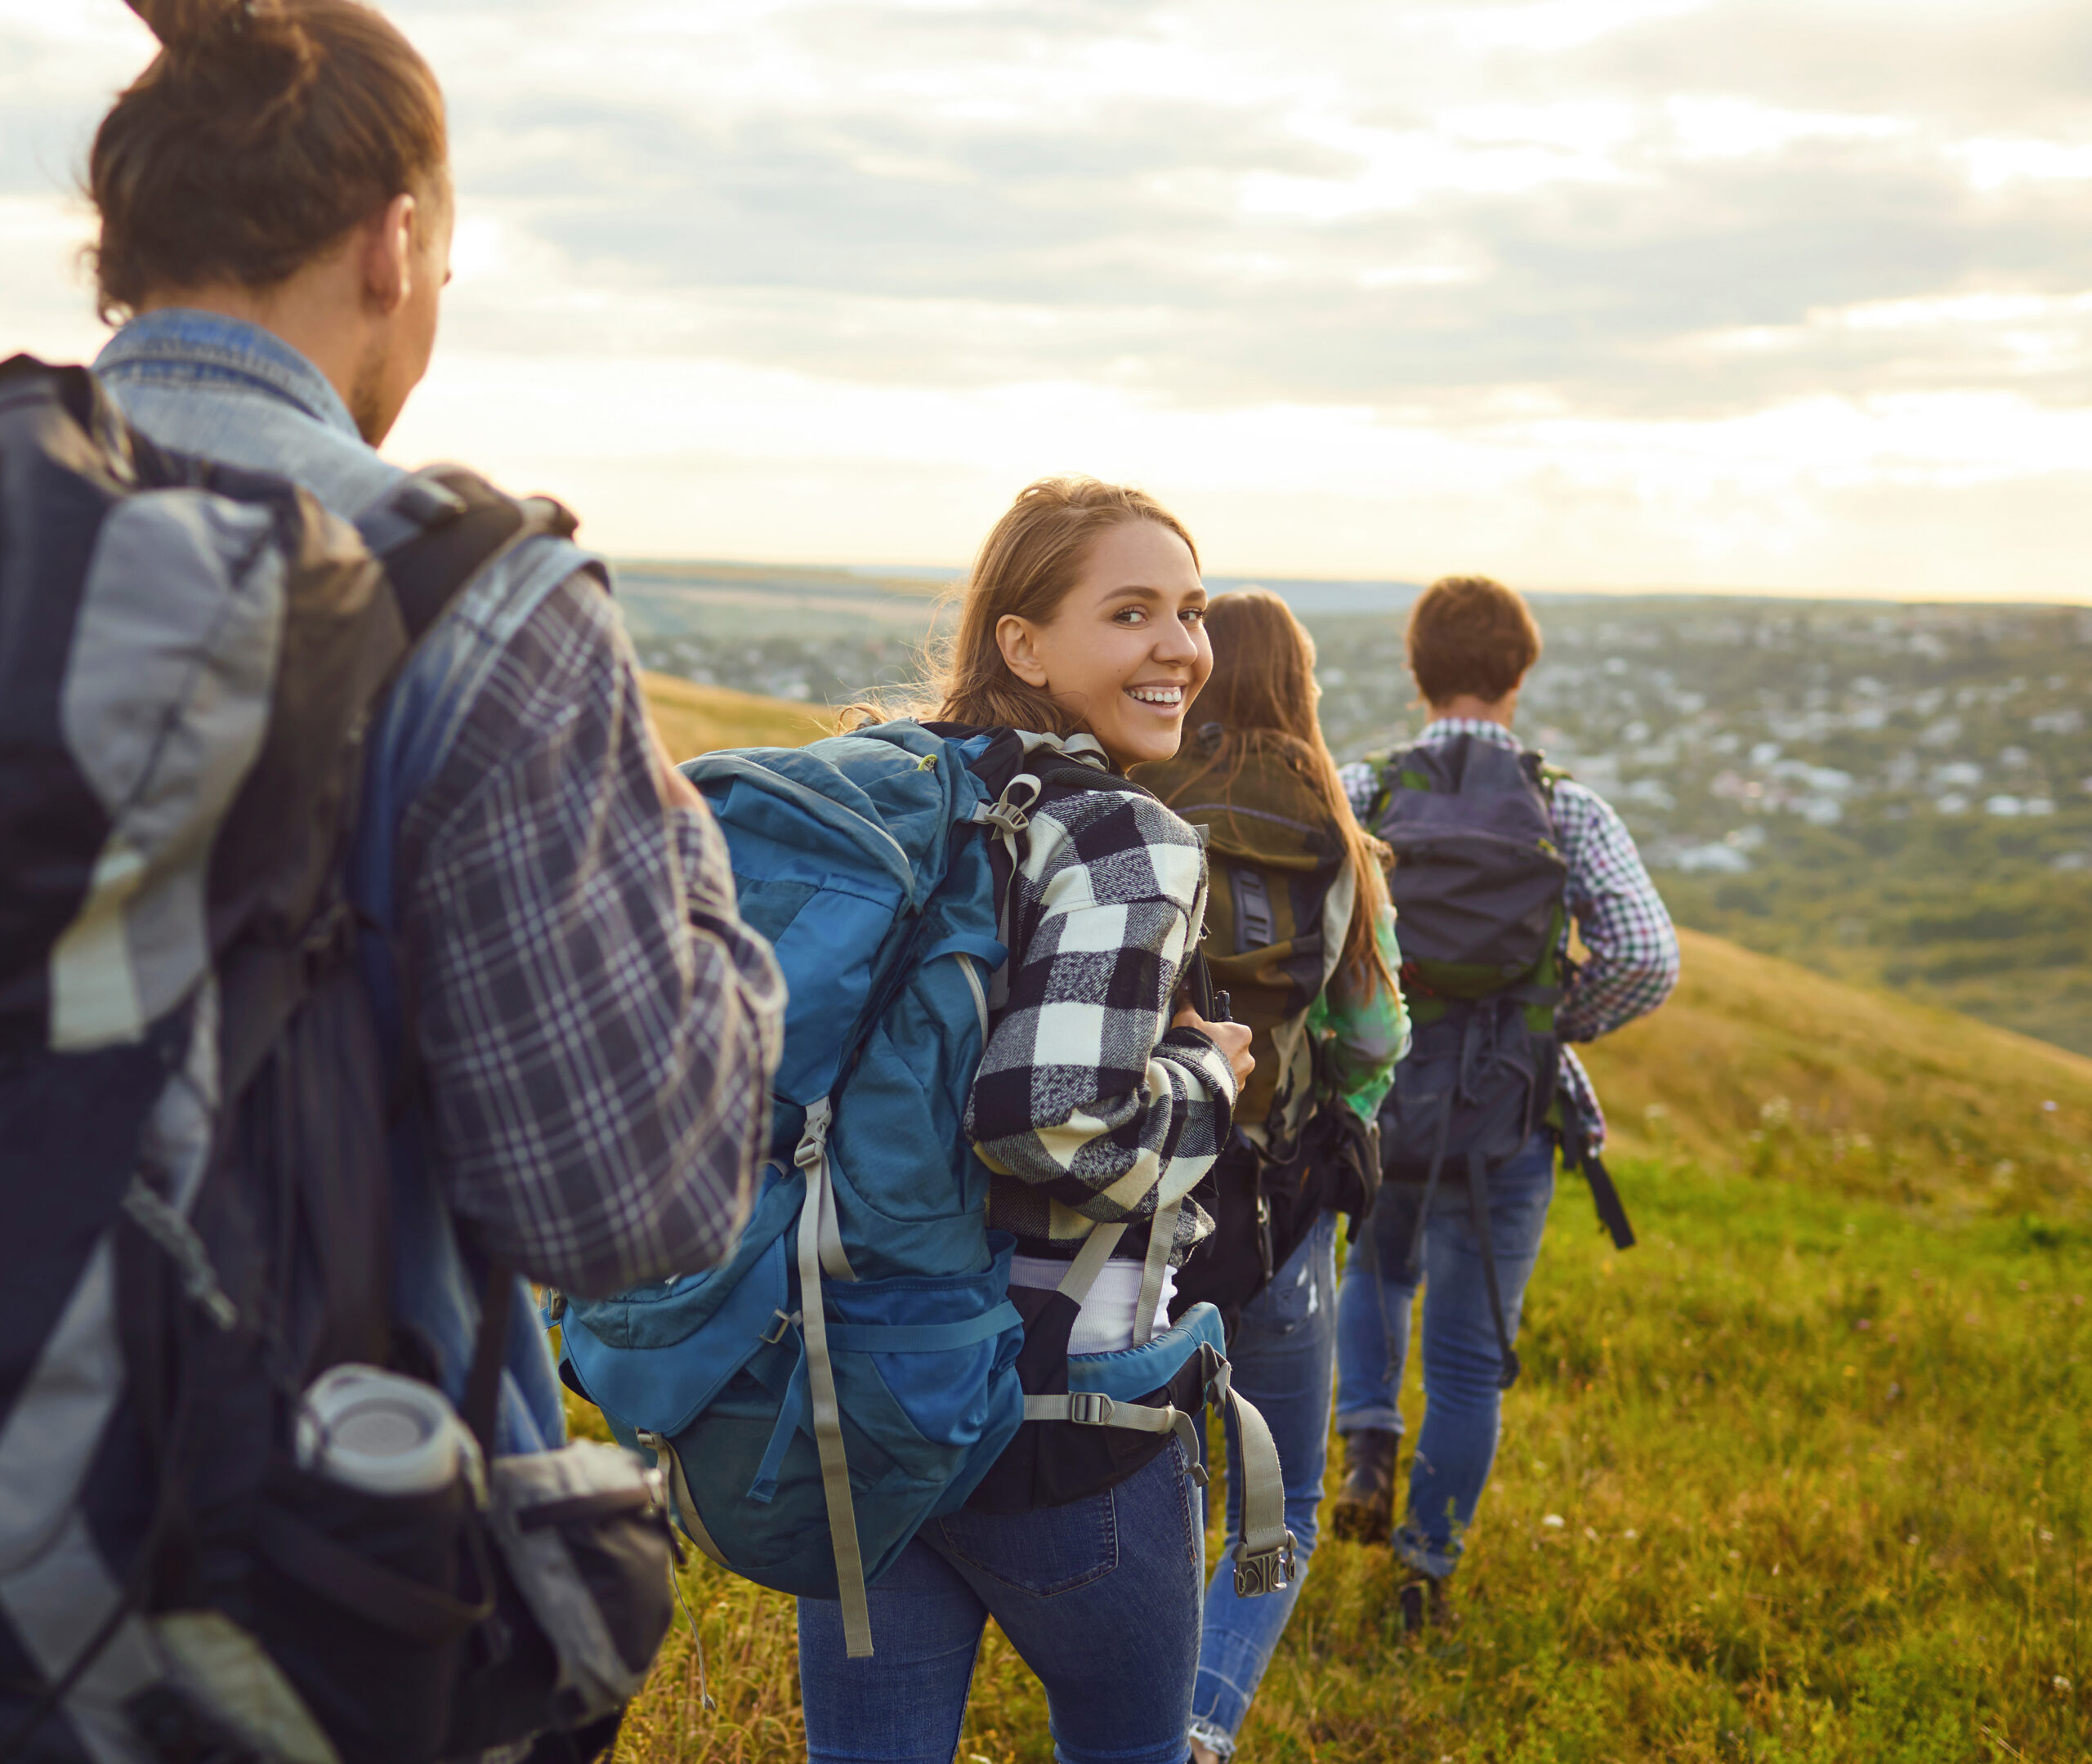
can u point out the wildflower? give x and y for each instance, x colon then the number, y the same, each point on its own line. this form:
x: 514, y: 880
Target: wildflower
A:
x: 1553, y: 1521
x: 1865, y: 1323
x: 1590, y: 1534
x: 1630, y: 1534
x: 2061, y: 1683
x: 2048, y: 1537
x: 1735, y: 1555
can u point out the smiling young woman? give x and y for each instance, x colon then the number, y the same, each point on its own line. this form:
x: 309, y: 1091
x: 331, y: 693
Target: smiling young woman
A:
x: 1125, y: 651
x: 1099, y: 1101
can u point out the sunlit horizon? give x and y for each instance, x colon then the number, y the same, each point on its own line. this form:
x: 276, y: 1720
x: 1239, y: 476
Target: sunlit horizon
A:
x: 1597, y: 296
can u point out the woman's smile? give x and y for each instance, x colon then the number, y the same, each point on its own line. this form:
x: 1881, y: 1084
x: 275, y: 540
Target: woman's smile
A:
x: 1126, y: 650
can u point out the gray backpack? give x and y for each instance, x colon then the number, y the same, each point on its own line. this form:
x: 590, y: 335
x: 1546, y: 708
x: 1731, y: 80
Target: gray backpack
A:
x: 196, y: 1188
x: 1478, y: 886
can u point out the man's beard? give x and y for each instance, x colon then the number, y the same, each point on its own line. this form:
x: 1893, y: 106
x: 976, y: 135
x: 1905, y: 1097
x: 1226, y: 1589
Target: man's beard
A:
x: 370, y: 404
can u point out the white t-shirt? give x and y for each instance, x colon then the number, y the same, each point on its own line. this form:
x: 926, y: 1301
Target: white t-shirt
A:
x: 1105, y: 1323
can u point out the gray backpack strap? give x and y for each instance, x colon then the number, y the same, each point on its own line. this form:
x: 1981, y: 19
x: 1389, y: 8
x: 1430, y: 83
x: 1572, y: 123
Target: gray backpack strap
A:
x: 1264, y: 1557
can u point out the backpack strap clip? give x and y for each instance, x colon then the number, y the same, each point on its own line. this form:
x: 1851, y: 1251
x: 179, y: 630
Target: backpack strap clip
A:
x: 1090, y: 1409
x: 1010, y: 814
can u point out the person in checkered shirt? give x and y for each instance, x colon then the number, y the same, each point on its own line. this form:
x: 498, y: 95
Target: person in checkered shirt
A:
x: 1100, y: 1100
x: 1471, y: 642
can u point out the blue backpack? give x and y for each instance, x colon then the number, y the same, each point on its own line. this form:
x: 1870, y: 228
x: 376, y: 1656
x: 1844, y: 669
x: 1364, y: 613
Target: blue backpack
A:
x: 852, y: 1370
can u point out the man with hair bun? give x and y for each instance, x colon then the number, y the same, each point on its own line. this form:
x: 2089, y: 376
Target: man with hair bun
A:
x: 597, y: 1027
x: 1491, y: 846
x: 576, y: 1030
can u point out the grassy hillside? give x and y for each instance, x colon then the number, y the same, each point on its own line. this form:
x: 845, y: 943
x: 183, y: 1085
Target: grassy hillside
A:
x: 1757, y: 1065
x: 694, y: 719
x: 1801, y: 1477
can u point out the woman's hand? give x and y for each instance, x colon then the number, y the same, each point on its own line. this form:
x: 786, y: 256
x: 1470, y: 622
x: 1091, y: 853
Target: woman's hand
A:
x: 1231, y: 1039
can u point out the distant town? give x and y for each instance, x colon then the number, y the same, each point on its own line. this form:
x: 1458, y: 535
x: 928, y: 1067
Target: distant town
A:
x: 1898, y: 794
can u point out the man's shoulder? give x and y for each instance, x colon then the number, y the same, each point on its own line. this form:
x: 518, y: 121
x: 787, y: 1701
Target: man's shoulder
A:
x: 225, y: 423
x: 1576, y: 802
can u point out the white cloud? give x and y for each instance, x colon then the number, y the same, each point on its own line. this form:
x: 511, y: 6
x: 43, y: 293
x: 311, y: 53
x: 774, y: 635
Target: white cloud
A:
x: 1694, y: 293
x: 1993, y: 162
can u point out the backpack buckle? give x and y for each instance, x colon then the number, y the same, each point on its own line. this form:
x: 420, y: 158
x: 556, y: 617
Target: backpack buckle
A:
x: 813, y: 1141
x: 1269, y: 1570
x: 1008, y: 815
x: 776, y: 1334
x: 1089, y: 1408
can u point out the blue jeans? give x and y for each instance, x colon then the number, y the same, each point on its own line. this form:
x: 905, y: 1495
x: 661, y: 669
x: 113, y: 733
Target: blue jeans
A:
x: 1100, y: 1597
x: 1280, y: 1357
x: 1462, y: 1399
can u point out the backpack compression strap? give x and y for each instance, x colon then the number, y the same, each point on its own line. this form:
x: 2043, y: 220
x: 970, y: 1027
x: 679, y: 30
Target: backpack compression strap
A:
x: 1264, y: 1557
x: 1578, y: 1155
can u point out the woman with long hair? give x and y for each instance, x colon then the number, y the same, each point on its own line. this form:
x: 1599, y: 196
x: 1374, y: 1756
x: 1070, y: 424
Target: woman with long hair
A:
x: 1302, y: 932
x: 1099, y: 1101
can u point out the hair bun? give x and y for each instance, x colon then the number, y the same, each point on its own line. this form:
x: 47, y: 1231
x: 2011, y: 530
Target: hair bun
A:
x: 242, y: 68
x: 181, y: 24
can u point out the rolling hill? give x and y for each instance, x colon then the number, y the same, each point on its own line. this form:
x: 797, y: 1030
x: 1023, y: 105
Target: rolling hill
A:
x: 1755, y: 1064
x: 694, y: 719
x: 1799, y: 1480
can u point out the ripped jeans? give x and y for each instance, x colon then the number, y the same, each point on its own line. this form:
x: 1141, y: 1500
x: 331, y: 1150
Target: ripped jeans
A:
x: 1462, y: 1399
x: 1281, y: 1358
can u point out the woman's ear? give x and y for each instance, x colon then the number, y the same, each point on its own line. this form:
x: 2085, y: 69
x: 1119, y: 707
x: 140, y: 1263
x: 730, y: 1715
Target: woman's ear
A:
x: 1015, y: 637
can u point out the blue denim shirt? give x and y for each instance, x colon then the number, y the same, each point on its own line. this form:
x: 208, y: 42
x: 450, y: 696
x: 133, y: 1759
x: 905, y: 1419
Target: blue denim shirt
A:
x: 217, y: 387
x: 201, y: 383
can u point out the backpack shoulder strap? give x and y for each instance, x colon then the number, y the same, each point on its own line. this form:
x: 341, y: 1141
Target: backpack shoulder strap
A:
x: 440, y: 529
x: 1058, y: 771
x: 1537, y: 768
x: 1394, y: 770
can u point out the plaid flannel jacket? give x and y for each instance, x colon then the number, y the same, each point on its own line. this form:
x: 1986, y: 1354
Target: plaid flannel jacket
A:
x: 1088, y: 1107
x: 598, y: 1027
x: 1626, y: 928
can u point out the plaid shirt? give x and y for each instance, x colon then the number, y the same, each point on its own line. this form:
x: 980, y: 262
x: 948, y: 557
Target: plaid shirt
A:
x: 598, y: 1028
x: 1088, y: 1107
x: 1633, y: 962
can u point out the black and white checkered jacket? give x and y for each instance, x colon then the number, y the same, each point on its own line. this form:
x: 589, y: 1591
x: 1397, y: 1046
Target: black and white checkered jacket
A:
x: 1088, y: 1108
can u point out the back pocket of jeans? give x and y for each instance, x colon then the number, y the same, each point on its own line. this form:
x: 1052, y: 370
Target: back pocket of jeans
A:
x: 1048, y: 1550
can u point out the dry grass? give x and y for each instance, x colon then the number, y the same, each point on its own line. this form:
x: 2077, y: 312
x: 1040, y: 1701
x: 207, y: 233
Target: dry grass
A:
x: 694, y: 719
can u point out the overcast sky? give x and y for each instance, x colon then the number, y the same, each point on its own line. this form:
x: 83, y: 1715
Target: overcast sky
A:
x: 1707, y: 293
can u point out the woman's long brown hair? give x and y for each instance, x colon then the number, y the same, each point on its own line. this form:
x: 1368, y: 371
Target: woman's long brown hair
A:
x: 1263, y: 693
x: 1026, y: 565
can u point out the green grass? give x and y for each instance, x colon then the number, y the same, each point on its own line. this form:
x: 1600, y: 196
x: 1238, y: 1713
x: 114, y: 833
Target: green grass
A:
x: 1818, y: 1446
x: 1820, y: 1468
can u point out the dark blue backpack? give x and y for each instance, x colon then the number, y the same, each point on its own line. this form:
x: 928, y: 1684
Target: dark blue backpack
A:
x: 854, y: 1369
x: 1479, y: 884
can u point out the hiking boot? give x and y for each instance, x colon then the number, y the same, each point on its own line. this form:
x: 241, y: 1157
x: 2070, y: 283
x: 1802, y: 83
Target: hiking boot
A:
x: 1424, y: 1603
x: 1365, y: 1508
